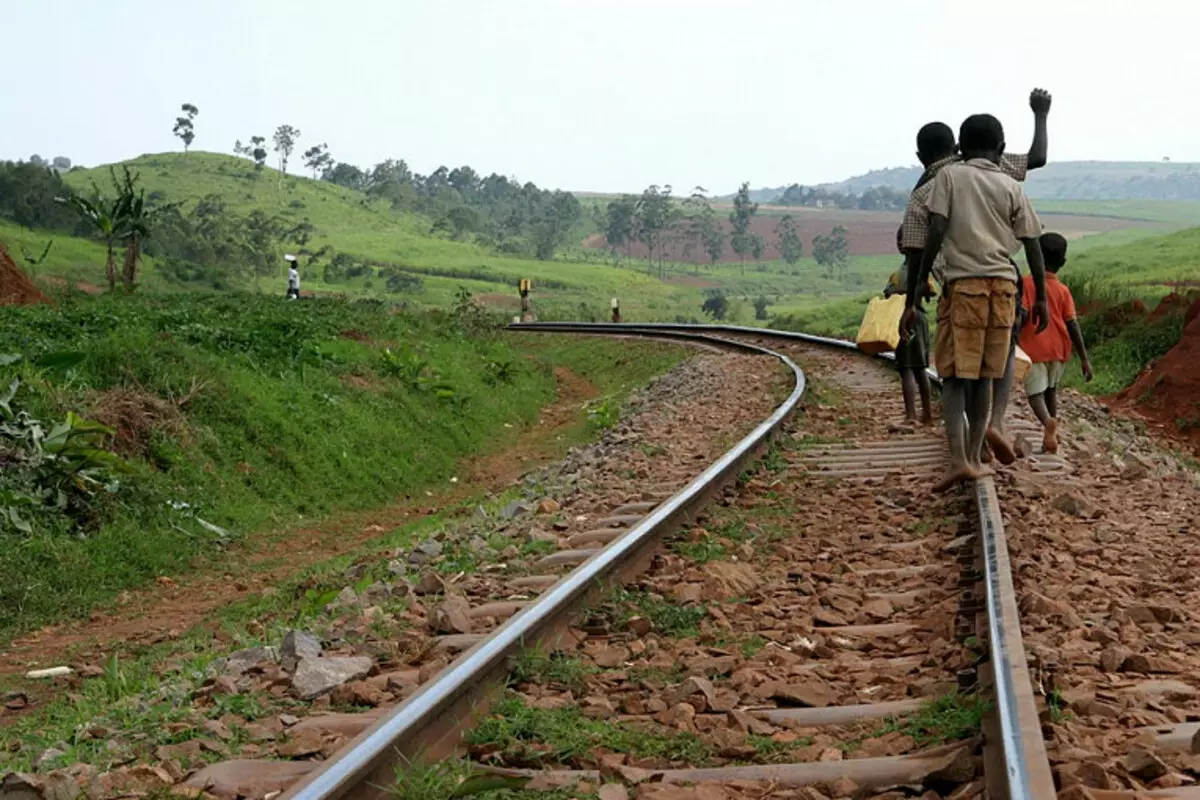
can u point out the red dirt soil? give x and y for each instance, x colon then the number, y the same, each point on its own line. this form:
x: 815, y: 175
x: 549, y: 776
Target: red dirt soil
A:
x: 1168, y: 393
x: 165, y: 609
x: 15, y: 288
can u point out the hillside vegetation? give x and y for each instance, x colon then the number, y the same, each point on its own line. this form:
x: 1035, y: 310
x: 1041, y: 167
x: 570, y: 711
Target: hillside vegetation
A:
x: 175, y: 425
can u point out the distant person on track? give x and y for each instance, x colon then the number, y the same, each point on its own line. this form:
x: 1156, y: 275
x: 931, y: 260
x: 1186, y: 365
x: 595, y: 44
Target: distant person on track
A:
x: 936, y: 149
x: 912, y: 354
x: 977, y: 214
x: 293, y: 287
x: 1050, y: 350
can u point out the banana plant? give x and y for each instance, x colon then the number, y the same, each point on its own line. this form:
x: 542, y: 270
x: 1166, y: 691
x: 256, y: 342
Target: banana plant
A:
x: 105, y: 218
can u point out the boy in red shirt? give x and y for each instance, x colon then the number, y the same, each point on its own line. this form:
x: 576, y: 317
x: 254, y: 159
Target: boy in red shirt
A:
x: 1051, y: 349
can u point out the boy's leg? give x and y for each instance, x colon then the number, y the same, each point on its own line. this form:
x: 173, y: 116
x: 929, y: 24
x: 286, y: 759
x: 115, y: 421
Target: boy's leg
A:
x: 922, y: 379
x: 997, y: 438
x: 979, y: 409
x: 908, y: 384
x: 1052, y: 401
x: 954, y: 406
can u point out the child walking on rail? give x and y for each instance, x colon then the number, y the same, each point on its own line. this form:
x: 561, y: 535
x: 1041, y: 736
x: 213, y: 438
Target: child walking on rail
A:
x: 912, y: 354
x: 1050, y: 349
x: 978, y: 215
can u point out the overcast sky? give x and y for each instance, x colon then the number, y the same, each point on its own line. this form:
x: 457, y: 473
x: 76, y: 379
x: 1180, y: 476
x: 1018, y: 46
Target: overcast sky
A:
x: 604, y: 95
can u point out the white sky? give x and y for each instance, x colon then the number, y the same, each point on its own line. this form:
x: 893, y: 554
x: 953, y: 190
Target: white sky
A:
x: 604, y: 95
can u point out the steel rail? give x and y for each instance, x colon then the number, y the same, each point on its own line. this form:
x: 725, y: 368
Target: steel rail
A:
x: 428, y: 722
x: 1026, y: 764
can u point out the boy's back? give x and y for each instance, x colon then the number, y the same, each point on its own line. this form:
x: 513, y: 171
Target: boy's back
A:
x: 988, y: 213
x: 1054, y: 343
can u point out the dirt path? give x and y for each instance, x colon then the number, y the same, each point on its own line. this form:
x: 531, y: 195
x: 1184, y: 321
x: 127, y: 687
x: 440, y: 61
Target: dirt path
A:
x: 167, y: 608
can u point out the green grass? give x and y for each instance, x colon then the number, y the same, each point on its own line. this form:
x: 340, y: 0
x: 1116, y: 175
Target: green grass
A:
x: 946, y: 719
x: 537, y: 666
x: 566, y: 736
x: 668, y: 618
x: 287, y: 419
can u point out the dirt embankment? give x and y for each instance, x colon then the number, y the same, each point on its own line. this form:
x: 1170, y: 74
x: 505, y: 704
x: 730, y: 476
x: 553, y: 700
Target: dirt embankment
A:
x: 15, y: 287
x: 1168, y: 391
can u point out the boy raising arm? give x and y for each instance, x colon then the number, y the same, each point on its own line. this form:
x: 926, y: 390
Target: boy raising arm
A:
x: 977, y: 216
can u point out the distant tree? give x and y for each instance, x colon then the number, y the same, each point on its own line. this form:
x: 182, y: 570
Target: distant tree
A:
x: 715, y: 304
x: 712, y: 236
x: 103, y: 216
x: 760, y: 307
x: 184, y: 127
x: 654, y: 215
x: 743, y: 212
x: 620, y: 220
x: 554, y: 223
x: 347, y: 175
x: 258, y: 152
x: 832, y: 251
x: 791, y: 247
x: 62, y: 163
x: 38, y: 160
x: 285, y: 143
x: 317, y: 159
x: 757, y: 246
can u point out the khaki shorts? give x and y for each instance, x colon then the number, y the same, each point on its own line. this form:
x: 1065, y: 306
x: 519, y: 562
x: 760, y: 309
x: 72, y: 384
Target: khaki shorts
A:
x: 1046, y: 375
x: 975, y: 322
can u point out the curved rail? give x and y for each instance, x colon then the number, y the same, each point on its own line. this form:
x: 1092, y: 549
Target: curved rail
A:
x: 427, y: 723
x: 1026, y: 764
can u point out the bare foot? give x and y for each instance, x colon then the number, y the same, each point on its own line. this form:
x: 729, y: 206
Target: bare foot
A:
x: 985, y: 454
x: 927, y: 419
x: 1000, y: 446
x: 957, y: 475
x: 1050, y: 438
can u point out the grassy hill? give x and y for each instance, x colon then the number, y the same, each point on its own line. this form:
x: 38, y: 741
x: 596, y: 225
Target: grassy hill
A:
x: 353, y: 223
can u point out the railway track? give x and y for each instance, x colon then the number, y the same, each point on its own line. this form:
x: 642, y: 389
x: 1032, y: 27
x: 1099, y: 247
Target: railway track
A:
x: 907, y: 613
x: 789, y: 613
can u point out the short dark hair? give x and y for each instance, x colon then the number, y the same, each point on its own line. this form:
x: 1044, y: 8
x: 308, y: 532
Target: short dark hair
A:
x: 980, y: 133
x: 1054, y: 250
x: 935, y: 140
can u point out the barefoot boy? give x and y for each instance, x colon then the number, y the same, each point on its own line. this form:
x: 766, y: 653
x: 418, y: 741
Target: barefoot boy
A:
x: 1050, y: 349
x: 977, y: 215
x: 935, y: 149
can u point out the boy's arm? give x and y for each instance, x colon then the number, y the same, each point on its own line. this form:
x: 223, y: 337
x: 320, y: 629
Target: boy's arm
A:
x: 1039, y: 102
x: 1077, y: 342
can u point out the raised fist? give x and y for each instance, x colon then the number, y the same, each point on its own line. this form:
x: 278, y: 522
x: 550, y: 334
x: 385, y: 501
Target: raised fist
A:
x: 1039, y: 101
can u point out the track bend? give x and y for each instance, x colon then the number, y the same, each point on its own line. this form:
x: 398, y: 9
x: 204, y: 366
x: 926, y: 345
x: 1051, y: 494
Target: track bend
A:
x: 822, y: 625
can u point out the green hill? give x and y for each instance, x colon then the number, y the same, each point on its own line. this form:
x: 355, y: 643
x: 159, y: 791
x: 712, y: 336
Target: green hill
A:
x: 350, y: 222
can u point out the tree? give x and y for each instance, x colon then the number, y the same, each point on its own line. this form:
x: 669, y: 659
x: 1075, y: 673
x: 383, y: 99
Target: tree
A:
x: 62, y: 163
x: 104, y: 218
x: 285, y: 143
x: 757, y: 246
x: 832, y: 251
x: 317, y: 159
x: 38, y: 160
x: 258, y: 152
x: 715, y: 304
x: 654, y: 213
x: 760, y: 307
x: 184, y: 128
x: 790, y: 245
x: 620, y: 219
x: 135, y: 221
x: 347, y: 175
x: 555, y: 222
x: 743, y: 212
x: 712, y: 236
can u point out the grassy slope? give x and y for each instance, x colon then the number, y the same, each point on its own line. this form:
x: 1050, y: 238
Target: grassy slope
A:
x: 293, y: 421
x: 351, y: 222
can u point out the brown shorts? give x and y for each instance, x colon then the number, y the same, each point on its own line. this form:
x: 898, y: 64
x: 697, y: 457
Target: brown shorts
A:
x: 975, y: 320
